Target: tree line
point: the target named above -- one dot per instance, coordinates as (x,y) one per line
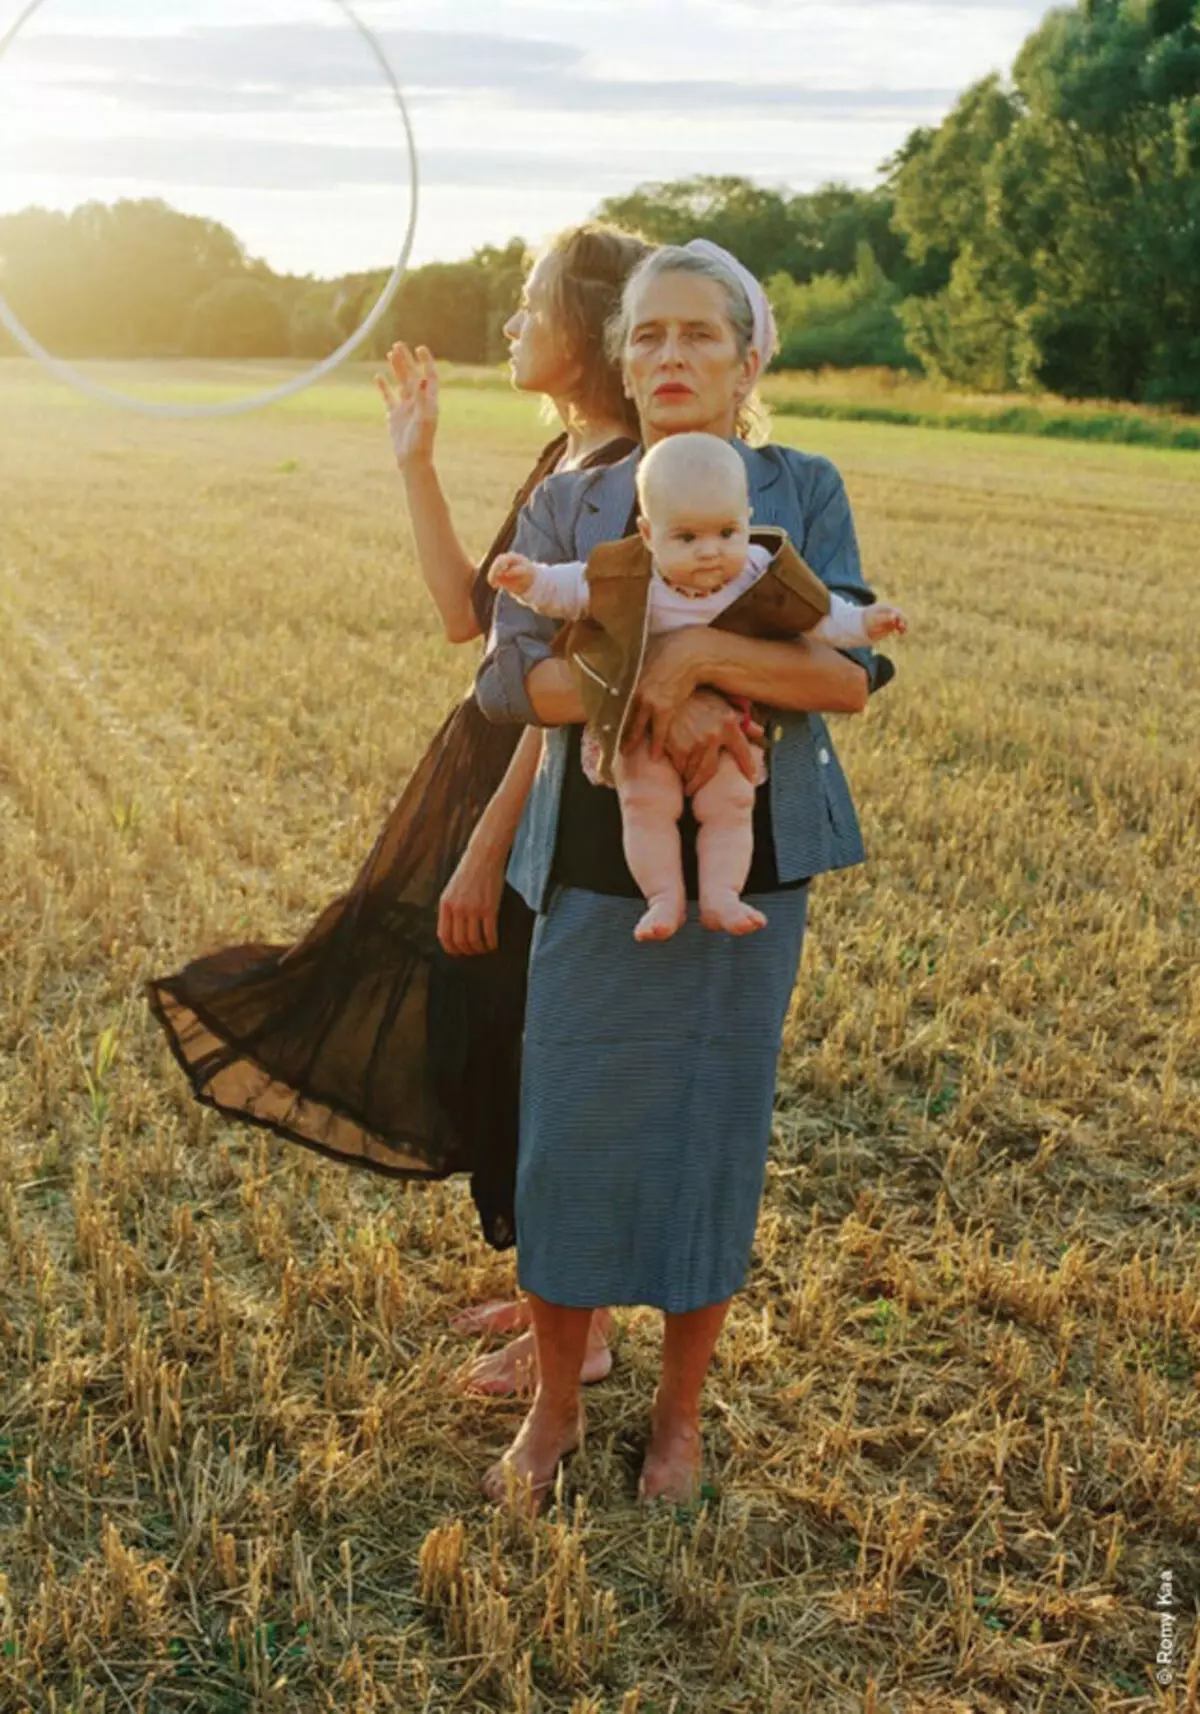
(1045,235)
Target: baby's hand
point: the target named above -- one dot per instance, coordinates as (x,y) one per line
(880,621)
(512,571)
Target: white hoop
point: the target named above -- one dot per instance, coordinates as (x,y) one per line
(63,371)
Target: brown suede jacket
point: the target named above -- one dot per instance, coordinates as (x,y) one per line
(607,649)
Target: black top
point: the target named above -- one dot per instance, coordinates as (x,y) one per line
(589,853)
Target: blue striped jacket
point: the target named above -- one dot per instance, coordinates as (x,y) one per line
(812,814)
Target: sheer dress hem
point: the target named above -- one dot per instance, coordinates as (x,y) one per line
(364,1041)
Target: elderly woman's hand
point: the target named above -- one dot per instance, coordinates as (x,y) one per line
(704,727)
(668,678)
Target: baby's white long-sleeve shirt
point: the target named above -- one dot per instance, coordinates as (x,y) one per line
(561,592)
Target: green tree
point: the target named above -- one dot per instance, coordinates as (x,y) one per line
(937,176)
(444,305)
(238,318)
(113,280)
(1068,210)
(967,334)
(845,323)
(805,235)
(312,331)
(351,300)
(504,268)
(753,222)
(830,226)
(35,276)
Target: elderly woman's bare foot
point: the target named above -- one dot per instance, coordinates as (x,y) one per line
(672,1467)
(543,1440)
(507,1317)
(515,1369)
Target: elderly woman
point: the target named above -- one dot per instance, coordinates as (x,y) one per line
(649,1069)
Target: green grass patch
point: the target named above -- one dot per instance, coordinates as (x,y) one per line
(1117,428)
(873,396)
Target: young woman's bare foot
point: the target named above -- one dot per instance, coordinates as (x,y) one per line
(667,914)
(672,1467)
(726,911)
(498,1317)
(515,1369)
(543,1440)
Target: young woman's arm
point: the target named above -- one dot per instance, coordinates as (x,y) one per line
(553,693)
(470,904)
(412,412)
(521,639)
(448,572)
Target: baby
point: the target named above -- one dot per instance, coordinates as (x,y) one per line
(692,563)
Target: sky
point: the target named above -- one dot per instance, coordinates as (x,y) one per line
(274,117)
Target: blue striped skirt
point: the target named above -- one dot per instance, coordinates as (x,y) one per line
(647,1088)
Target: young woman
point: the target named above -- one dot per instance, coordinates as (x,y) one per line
(649,1071)
(390,1035)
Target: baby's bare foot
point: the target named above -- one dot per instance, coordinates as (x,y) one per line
(515,1369)
(726,911)
(543,1441)
(497,1317)
(666,915)
(672,1467)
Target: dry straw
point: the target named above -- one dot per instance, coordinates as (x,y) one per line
(952,1427)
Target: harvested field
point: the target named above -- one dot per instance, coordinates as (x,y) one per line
(953,1425)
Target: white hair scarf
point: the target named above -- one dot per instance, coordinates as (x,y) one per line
(766,335)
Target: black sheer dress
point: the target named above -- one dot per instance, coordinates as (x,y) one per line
(364,1040)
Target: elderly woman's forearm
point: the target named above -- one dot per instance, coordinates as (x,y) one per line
(448,572)
(551,688)
(804,676)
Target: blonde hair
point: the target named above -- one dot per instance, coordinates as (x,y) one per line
(753,418)
(591,265)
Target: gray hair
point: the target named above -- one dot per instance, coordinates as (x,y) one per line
(677,259)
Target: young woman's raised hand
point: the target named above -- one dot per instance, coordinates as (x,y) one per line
(412,405)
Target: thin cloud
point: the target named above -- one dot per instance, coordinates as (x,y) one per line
(292,67)
(300,58)
(597,98)
(239,163)
(891,9)
(696,95)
